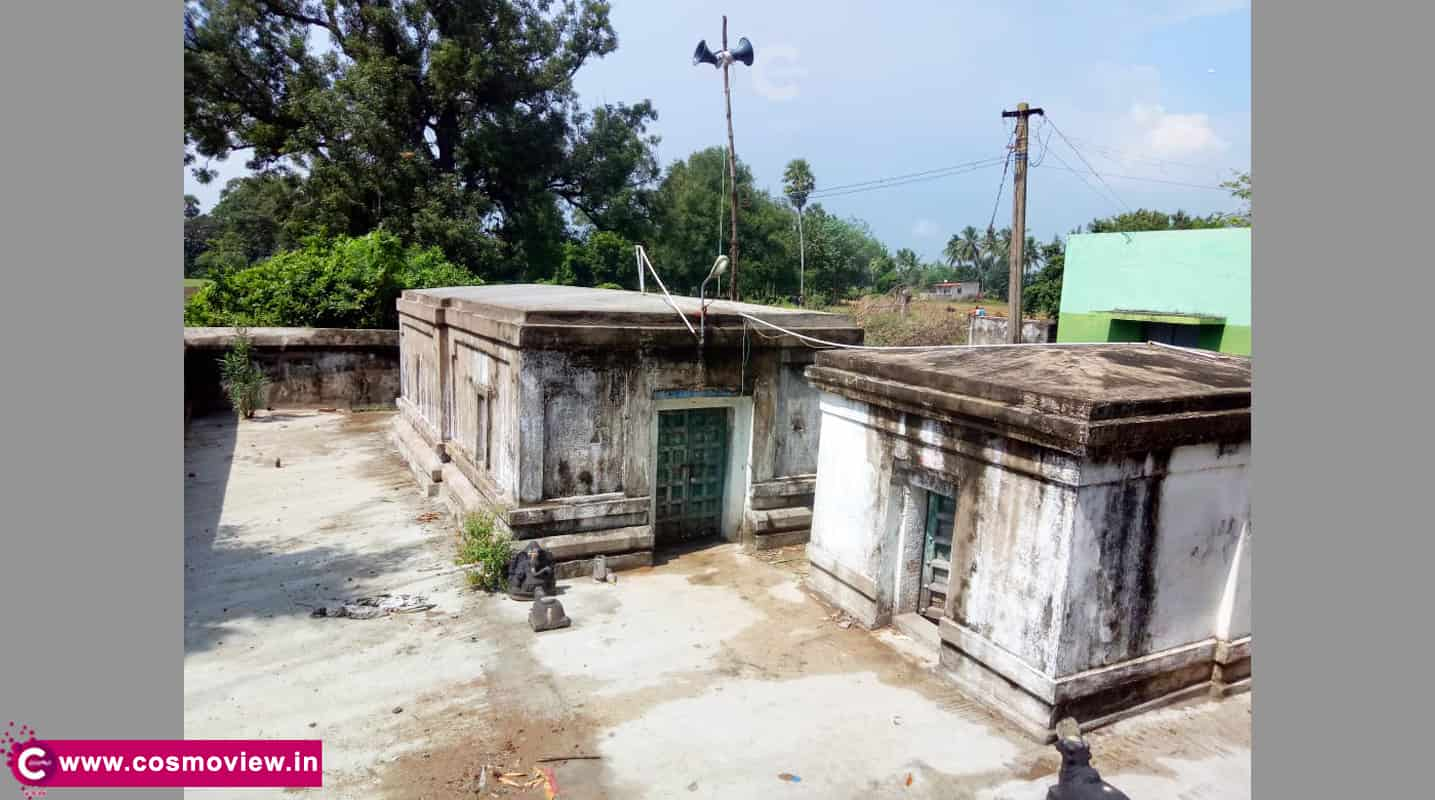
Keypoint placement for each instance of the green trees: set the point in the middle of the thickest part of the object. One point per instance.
(1240, 188)
(599, 258)
(689, 208)
(453, 125)
(344, 282)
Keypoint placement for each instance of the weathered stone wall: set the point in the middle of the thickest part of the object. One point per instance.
(307, 367)
(1092, 585)
(1011, 504)
(1152, 551)
(993, 330)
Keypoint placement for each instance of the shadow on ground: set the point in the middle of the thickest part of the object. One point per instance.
(283, 540)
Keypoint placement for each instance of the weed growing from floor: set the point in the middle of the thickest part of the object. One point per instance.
(242, 379)
(482, 544)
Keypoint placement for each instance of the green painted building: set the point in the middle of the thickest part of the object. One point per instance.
(1188, 288)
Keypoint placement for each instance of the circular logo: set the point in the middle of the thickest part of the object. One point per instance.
(34, 763)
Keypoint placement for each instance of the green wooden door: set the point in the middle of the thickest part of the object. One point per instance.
(692, 467)
(937, 556)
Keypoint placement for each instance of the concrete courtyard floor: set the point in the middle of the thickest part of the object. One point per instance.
(705, 676)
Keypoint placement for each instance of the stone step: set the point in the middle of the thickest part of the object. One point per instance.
(583, 567)
(772, 541)
(581, 545)
(780, 519)
(421, 458)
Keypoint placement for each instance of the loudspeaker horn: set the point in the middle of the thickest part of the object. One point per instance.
(703, 55)
(743, 51)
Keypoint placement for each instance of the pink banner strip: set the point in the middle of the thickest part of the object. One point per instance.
(154, 763)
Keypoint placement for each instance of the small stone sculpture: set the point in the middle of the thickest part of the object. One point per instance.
(1078, 780)
(531, 569)
(547, 614)
(600, 568)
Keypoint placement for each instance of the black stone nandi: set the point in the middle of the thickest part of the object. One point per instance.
(529, 571)
(1078, 780)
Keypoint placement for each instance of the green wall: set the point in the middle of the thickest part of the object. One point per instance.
(1195, 273)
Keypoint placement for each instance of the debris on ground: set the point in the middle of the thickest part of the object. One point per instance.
(330, 410)
(693, 787)
(428, 516)
(277, 464)
(789, 777)
(377, 606)
(522, 780)
(791, 558)
(398, 709)
(909, 779)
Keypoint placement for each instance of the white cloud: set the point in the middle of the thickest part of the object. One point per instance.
(776, 72)
(1156, 133)
(925, 229)
(1178, 11)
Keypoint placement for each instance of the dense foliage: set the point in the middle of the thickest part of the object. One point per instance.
(404, 143)
(344, 282)
(690, 231)
(451, 124)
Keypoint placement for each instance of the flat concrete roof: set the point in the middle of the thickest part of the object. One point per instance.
(545, 315)
(1076, 396)
(292, 338)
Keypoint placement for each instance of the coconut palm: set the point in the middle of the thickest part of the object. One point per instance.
(797, 184)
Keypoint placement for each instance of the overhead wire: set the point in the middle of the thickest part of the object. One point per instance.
(1084, 182)
(903, 180)
(1147, 180)
(841, 345)
(1074, 149)
(1002, 183)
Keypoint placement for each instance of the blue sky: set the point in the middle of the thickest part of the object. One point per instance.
(864, 90)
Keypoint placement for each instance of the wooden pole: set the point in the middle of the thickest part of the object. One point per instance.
(1018, 222)
(731, 167)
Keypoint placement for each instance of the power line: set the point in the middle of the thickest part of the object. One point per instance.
(1114, 154)
(1045, 143)
(1148, 180)
(1006, 165)
(1082, 176)
(910, 177)
(1057, 128)
(892, 182)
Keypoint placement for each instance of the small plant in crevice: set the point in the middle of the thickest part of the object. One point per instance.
(241, 378)
(481, 543)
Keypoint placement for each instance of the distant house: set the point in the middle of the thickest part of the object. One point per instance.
(955, 290)
(1187, 288)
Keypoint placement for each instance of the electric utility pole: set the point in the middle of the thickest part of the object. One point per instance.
(731, 167)
(1018, 221)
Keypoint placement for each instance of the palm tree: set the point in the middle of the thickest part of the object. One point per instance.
(953, 251)
(797, 184)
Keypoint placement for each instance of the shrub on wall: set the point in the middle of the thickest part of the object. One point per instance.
(340, 282)
(241, 377)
